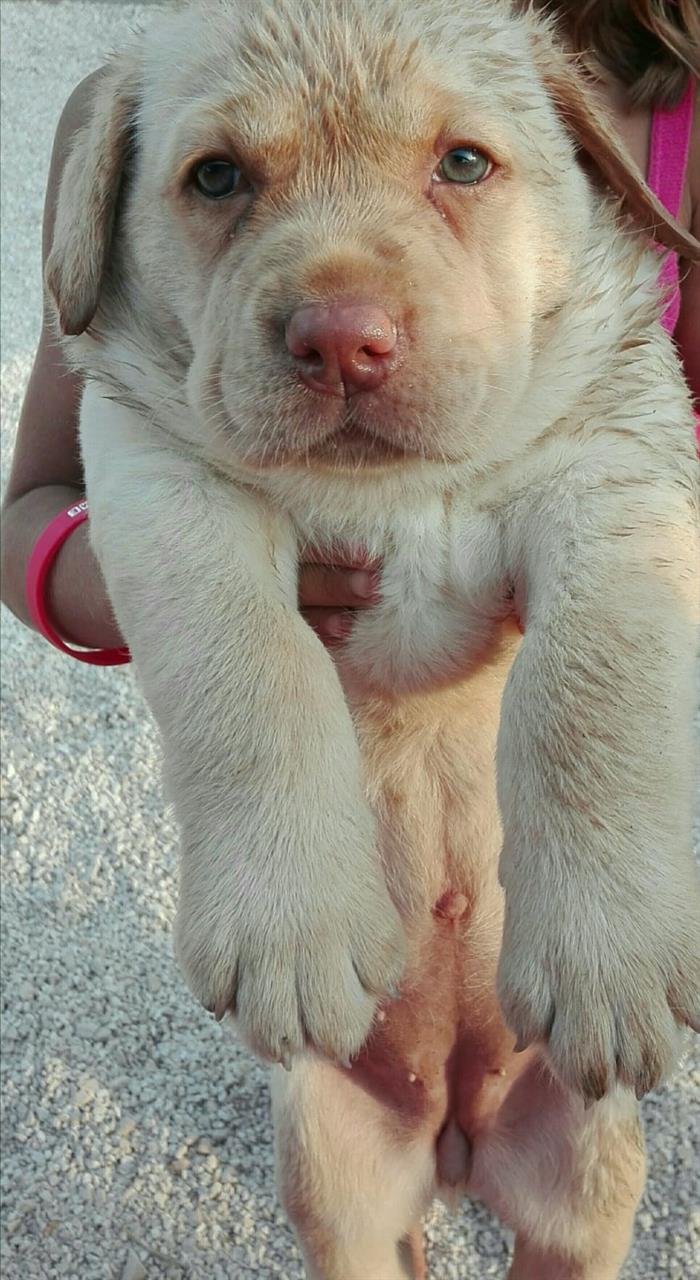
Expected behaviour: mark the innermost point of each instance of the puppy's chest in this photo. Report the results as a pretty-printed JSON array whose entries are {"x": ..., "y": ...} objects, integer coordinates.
[{"x": 440, "y": 609}]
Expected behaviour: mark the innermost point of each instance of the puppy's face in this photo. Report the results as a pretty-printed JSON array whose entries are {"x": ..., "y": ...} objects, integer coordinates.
[
  {"x": 360, "y": 216},
  {"x": 354, "y": 219}
]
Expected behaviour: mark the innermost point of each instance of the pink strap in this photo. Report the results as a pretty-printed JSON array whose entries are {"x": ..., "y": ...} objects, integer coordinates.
[
  {"x": 45, "y": 550},
  {"x": 668, "y": 149},
  {"x": 668, "y": 161}
]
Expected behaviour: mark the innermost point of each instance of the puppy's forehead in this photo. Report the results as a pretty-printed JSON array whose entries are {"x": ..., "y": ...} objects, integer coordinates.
[{"x": 284, "y": 65}]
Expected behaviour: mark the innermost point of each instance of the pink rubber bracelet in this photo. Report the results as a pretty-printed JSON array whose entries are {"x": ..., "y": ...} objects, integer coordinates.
[{"x": 45, "y": 550}]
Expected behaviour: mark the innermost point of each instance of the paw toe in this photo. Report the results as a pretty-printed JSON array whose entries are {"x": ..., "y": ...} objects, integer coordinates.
[{"x": 337, "y": 1010}]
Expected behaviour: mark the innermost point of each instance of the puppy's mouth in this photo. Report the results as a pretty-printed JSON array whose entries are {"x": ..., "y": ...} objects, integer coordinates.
[
  {"x": 295, "y": 428},
  {"x": 355, "y": 445},
  {"x": 366, "y": 429}
]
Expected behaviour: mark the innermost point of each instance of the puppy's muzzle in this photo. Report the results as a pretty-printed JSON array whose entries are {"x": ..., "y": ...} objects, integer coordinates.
[{"x": 341, "y": 348}]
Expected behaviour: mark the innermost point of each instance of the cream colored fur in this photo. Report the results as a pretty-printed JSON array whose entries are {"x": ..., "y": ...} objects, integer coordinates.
[{"x": 326, "y": 807}]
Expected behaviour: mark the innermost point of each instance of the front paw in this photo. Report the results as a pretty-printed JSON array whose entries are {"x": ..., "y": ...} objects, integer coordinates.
[
  {"x": 299, "y": 960},
  {"x": 604, "y": 988}
]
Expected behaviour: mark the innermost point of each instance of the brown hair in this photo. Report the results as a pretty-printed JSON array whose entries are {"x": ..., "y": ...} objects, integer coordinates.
[{"x": 652, "y": 46}]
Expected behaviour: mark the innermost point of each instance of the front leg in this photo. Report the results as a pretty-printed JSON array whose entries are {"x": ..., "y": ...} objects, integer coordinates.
[
  {"x": 596, "y": 762},
  {"x": 284, "y": 915}
]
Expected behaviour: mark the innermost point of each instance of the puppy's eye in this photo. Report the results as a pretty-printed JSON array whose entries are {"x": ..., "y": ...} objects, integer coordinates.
[
  {"x": 465, "y": 165},
  {"x": 217, "y": 179}
]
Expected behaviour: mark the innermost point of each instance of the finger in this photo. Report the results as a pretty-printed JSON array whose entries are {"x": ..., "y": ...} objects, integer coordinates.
[
  {"x": 322, "y": 585},
  {"x": 330, "y": 626}
]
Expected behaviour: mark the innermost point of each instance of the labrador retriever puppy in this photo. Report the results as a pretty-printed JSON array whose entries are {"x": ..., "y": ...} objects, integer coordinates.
[{"x": 337, "y": 277}]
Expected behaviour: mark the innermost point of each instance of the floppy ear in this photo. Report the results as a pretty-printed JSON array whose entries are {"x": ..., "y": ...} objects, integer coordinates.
[
  {"x": 595, "y": 134},
  {"x": 87, "y": 199}
]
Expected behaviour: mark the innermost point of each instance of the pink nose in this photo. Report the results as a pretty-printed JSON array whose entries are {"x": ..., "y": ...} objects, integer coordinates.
[{"x": 342, "y": 347}]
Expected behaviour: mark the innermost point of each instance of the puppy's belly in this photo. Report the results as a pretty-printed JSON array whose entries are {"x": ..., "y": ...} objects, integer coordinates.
[{"x": 440, "y": 1058}]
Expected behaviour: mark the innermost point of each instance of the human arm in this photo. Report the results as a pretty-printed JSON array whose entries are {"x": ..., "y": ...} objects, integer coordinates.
[{"x": 46, "y": 475}]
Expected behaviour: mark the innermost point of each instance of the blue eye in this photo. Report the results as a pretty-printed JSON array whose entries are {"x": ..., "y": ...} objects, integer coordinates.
[
  {"x": 465, "y": 165},
  {"x": 217, "y": 179}
]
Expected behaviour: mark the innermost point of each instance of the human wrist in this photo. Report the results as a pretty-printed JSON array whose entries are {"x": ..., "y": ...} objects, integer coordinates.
[{"x": 76, "y": 596}]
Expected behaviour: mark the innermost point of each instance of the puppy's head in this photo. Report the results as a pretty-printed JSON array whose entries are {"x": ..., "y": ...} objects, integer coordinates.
[{"x": 358, "y": 212}]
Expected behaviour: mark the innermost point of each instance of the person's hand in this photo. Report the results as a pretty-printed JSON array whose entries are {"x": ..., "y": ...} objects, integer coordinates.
[{"x": 332, "y": 586}]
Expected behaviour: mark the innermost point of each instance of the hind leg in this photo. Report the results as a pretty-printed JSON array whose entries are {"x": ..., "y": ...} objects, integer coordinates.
[
  {"x": 532, "y": 1263},
  {"x": 567, "y": 1180},
  {"x": 353, "y": 1188}
]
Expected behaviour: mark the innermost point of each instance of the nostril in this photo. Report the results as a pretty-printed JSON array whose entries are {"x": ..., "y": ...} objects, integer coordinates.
[
  {"x": 314, "y": 358},
  {"x": 308, "y": 354},
  {"x": 303, "y": 338},
  {"x": 381, "y": 343}
]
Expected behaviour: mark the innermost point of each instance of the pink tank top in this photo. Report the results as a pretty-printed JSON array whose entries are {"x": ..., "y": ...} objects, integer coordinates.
[{"x": 668, "y": 161}]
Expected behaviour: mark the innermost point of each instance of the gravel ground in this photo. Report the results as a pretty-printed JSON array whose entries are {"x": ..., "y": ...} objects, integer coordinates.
[{"x": 136, "y": 1134}]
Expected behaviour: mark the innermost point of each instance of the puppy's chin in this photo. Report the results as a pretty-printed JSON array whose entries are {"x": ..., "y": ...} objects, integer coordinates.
[
  {"x": 366, "y": 430},
  {"x": 352, "y": 450},
  {"x": 356, "y": 447},
  {"x": 351, "y": 446}
]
